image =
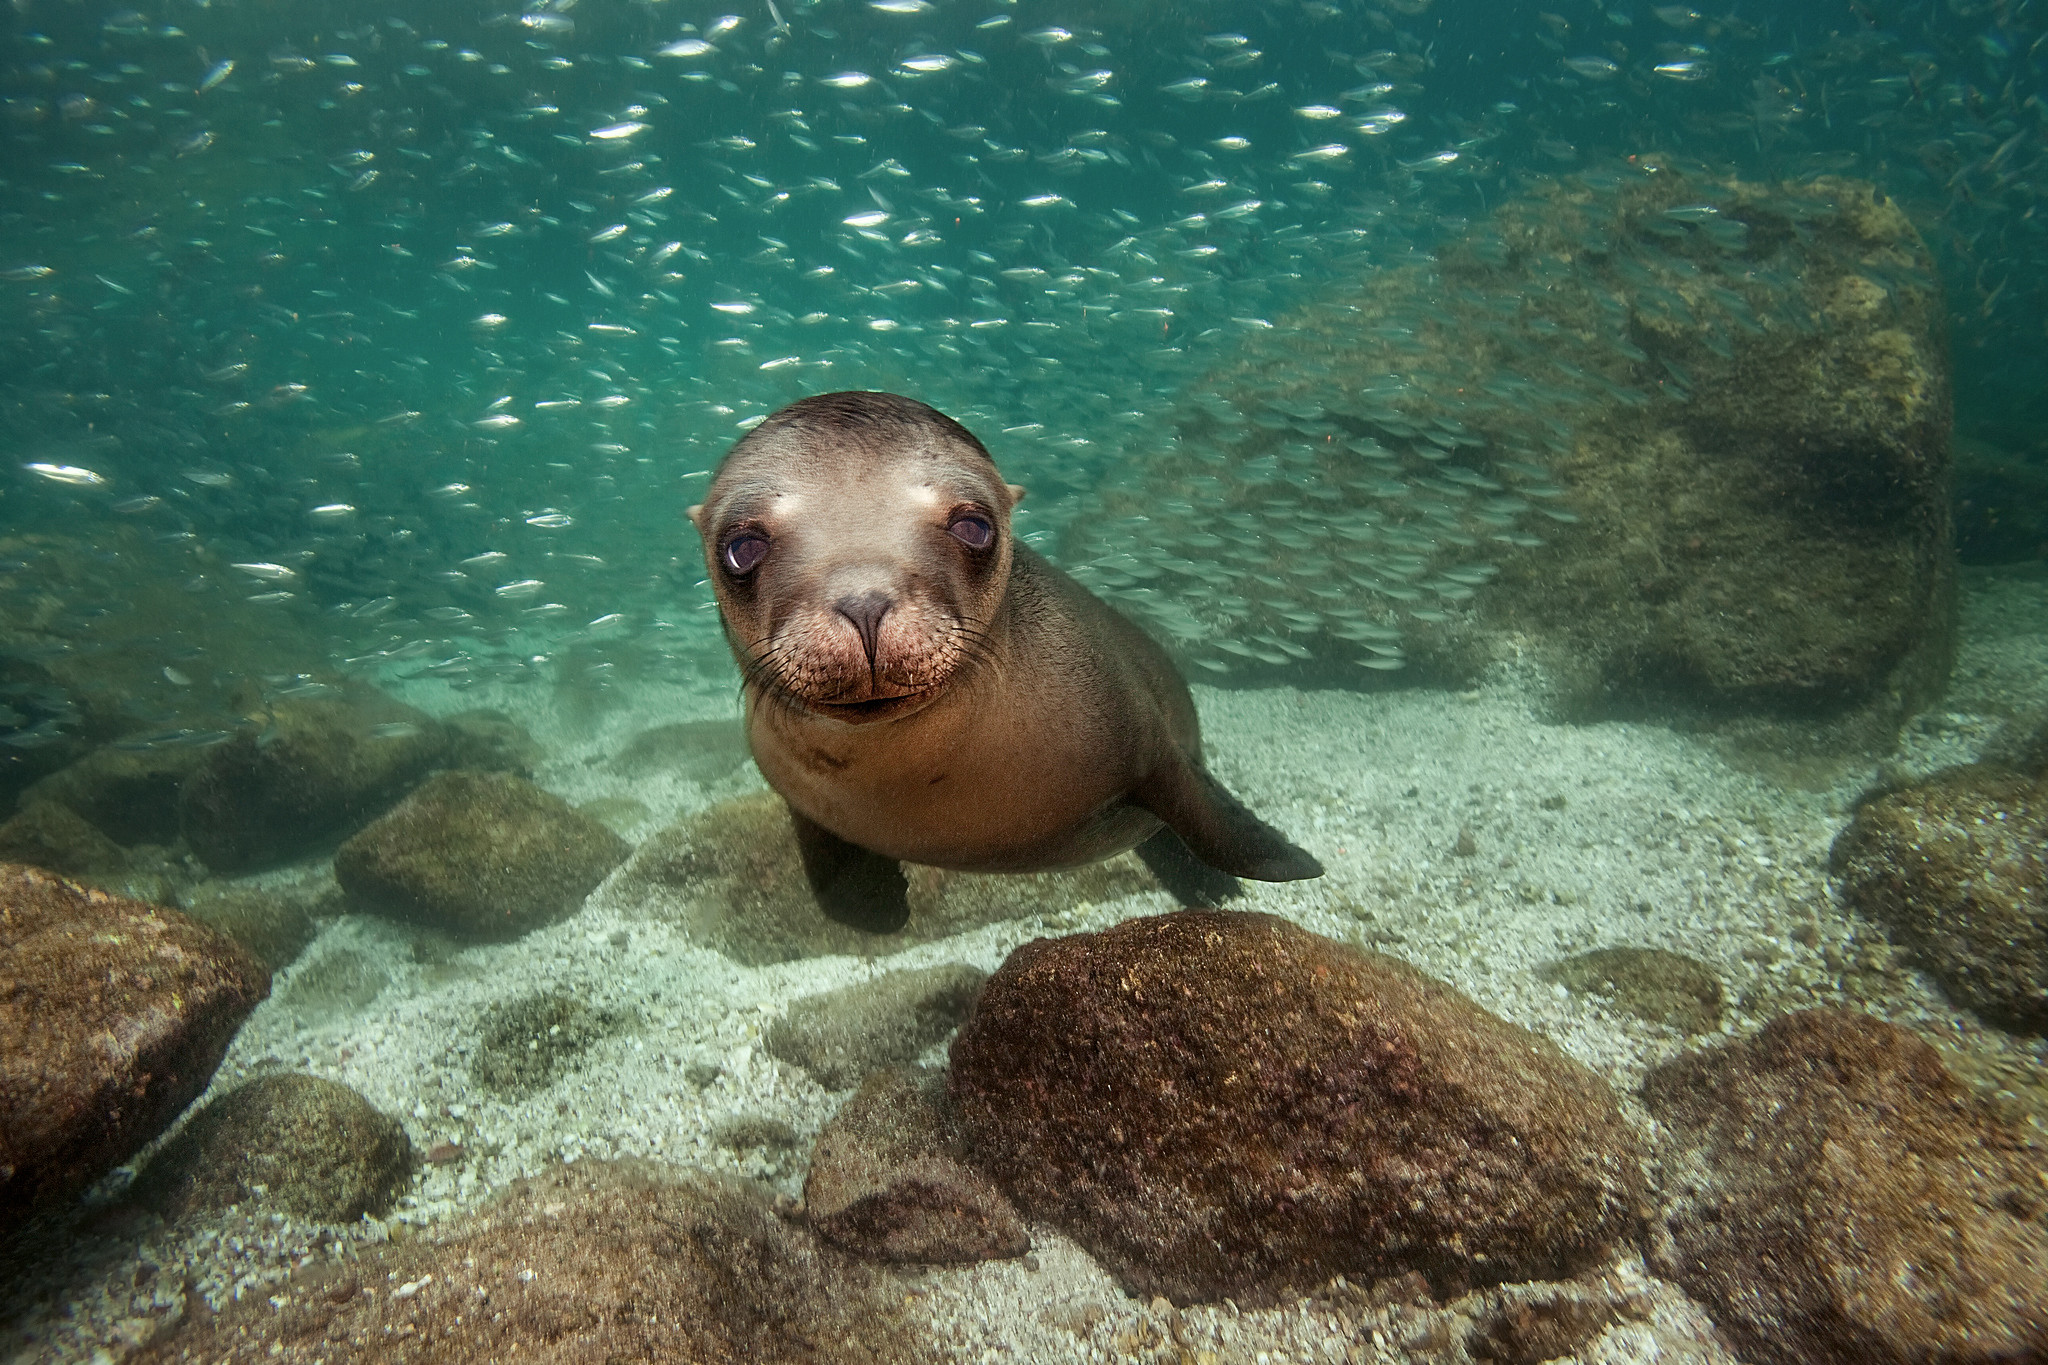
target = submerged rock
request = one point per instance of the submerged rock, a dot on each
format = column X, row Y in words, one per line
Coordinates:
column 480, row 855
column 529, row 1043
column 318, row 767
column 699, row 750
column 1957, row 868
column 1224, row 1104
column 491, row 742
column 731, row 877
column 295, row 1144
column 888, row 1180
column 113, row 1016
column 842, row 1035
column 130, row 795
column 1662, row 987
column 1835, row 1197
column 593, row 1262
column 271, row 923
column 56, row 838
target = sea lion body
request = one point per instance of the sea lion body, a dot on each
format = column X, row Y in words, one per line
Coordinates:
column 922, row 688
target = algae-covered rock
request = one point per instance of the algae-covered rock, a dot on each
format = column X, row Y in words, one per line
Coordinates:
column 595, row 1262
column 889, row 1180
column 297, row 1144
column 1957, row 868
column 1652, row 984
column 56, row 838
column 274, row 925
column 842, row 1035
column 731, row 876
column 315, row 769
column 700, row 750
column 130, row 794
column 481, row 855
column 113, row 1016
column 491, row 742
column 1835, row 1197
column 1224, row 1104
column 529, row 1043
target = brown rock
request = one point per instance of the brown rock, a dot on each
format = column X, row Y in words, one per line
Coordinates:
column 839, row 1036
column 113, row 1016
column 1650, row 983
column 56, row 838
column 887, row 1179
column 481, row 855
column 1837, row 1198
column 581, row 1265
column 131, row 795
column 1957, row 868
column 299, row 1144
column 1224, row 1104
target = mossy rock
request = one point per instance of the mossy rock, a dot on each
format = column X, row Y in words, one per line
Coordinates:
column 731, row 876
column 56, row 838
column 1658, row 986
column 840, row 1036
column 274, row 926
column 700, row 750
column 295, row 1144
column 529, row 1043
column 131, row 795
column 480, row 855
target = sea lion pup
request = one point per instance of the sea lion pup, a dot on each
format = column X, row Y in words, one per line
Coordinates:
column 921, row 687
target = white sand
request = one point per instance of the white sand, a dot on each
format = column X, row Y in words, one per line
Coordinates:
column 1658, row 841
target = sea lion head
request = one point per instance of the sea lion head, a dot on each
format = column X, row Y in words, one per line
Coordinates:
column 859, row 545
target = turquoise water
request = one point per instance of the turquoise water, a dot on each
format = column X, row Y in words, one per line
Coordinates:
column 435, row 321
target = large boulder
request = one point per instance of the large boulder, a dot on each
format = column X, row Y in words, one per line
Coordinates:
column 1682, row 440
column 130, row 793
column 1835, row 1197
column 585, row 1263
column 1956, row 867
column 839, row 1036
column 479, row 855
column 113, row 1016
column 309, row 770
column 296, row 1144
column 1225, row 1104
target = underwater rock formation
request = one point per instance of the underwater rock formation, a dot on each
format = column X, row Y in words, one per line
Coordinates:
column 1224, row 1104
column 480, row 855
column 840, row 1036
column 888, row 1179
column 1957, row 867
column 1652, row 984
column 1835, row 1197
column 113, row 1018
column 599, row 1261
column 700, row 750
column 296, row 1144
column 319, row 767
column 731, row 876
column 57, row 839
column 271, row 922
column 1685, row 439
column 131, row 795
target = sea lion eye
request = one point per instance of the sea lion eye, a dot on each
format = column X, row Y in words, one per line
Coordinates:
column 973, row 531
column 743, row 553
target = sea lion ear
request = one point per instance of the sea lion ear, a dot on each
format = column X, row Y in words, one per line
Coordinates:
column 696, row 516
column 1016, row 492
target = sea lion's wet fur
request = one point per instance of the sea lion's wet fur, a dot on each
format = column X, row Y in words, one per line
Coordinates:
column 995, row 716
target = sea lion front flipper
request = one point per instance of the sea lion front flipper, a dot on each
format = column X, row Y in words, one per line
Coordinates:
column 1189, row 880
column 1218, row 829
column 855, row 886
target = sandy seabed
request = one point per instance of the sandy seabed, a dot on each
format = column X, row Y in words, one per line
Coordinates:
column 1461, row 832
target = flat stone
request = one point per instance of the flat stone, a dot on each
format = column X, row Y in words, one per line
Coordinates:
column 839, row 1036
column 888, row 1182
column 1652, row 984
column 113, row 1016
column 479, row 855
column 1835, row 1197
column 1225, row 1104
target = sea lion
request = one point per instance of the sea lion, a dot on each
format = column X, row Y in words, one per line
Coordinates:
column 921, row 687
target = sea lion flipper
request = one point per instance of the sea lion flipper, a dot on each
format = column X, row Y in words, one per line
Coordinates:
column 1218, row 829
column 1187, row 878
column 855, row 886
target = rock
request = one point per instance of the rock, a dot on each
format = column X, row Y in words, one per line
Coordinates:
column 294, row 1144
column 699, row 750
column 113, row 1016
column 531, row 1042
column 1662, row 987
column 1224, row 1104
column 593, row 1262
column 490, row 742
column 318, row 768
column 842, row 1035
column 888, row 1182
column 131, row 795
column 730, row 876
column 480, row 855
column 335, row 982
column 270, row 923
column 1731, row 504
column 54, row 837
column 1835, row 1197
column 1956, row 867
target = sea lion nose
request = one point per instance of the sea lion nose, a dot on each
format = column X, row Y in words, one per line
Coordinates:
column 865, row 610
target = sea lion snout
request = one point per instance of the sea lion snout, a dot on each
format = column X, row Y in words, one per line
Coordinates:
column 866, row 611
